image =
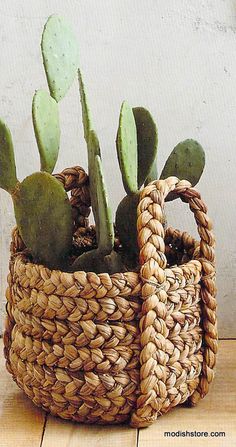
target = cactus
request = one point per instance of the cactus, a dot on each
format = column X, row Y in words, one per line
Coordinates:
column 46, row 127
column 153, row 173
column 126, row 143
column 147, row 140
column 104, row 218
column 186, row 161
column 8, row 179
column 93, row 147
column 60, row 56
column 44, row 218
column 137, row 121
column 104, row 258
column 42, row 209
column 126, row 223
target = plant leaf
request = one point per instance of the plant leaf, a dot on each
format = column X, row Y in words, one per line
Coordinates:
column 126, row 144
column 44, row 218
column 8, row 177
column 147, row 138
column 153, row 174
column 186, row 161
column 105, row 221
column 60, row 55
column 47, row 128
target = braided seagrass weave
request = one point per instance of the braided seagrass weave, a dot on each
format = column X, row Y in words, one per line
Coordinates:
column 128, row 346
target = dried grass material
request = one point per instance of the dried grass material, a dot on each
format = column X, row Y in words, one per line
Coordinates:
column 128, row 346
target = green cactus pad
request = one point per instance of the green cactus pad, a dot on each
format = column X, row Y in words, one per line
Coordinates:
column 126, row 144
column 105, row 223
column 93, row 150
column 47, row 128
column 8, row 178
column 60, row 55
column 126, row 223
column 86, row 115
column 186, row 161
column 44, row 218
column 93, row 261
column 153, row 174
column 87, row 262
column 147, row 138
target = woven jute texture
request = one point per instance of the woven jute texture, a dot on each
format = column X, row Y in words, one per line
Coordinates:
column 101, row 348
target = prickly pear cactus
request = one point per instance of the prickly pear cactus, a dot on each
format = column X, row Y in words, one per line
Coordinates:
column 186, row 161
column 126, row 143
column 153, row 173
column 47, row 128
column 137, row 141
column 104, row 219
column 8, row 179
column 92, row 261
column 126, row 223
column 86, row 115
column 93, row 148
column 147, row 140
column 44, row 218
column 42, row 209
column 104, row 258
column 60, row 55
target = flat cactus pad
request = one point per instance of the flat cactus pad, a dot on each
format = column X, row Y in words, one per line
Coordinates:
column 44, row 218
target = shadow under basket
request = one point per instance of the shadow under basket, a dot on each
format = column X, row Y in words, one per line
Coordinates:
column 100, row 348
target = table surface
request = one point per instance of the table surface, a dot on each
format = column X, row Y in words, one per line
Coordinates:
column 24, row 425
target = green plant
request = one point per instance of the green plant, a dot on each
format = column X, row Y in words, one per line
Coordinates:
column 60, row 55
column 136, row 144
column 137, row 154
column 103, row 258
column 42, row 209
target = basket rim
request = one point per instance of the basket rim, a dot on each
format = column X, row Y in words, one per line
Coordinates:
column 132, row 277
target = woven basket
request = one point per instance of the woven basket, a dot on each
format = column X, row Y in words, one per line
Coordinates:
column 101, row 348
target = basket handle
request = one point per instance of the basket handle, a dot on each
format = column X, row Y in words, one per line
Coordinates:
column 153, row 394
column 76, row 180
column 150, row 221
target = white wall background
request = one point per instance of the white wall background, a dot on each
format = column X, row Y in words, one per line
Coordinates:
column 176, row 57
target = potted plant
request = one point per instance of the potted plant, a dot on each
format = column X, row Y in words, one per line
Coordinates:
column 106, row 323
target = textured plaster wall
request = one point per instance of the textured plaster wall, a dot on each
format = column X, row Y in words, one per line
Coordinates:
column 176, row 57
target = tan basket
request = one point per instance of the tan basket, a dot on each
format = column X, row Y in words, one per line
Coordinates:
column 129, row 346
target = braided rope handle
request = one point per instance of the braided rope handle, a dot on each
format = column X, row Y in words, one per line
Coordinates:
column 76, row 180
column 154, row 331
